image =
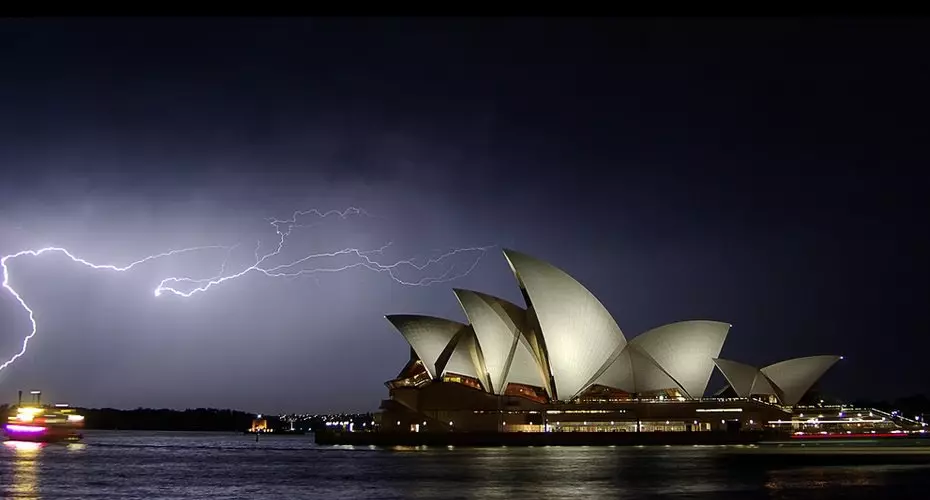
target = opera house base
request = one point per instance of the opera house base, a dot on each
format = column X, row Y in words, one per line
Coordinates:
column 464, row 439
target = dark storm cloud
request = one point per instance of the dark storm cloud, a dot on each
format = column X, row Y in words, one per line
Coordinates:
column 761, row 173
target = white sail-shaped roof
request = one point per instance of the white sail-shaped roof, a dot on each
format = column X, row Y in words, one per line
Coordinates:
column 428, row 336
column 535, row 343
column 648, row 376
column 464, row 359
column 740, row 376
column 580, row 335
column 686, row 351
column 618, row 373
column 635, row 371
column 565, row 341
column 788, row 380
column 795, row 376
column 762, row 385
column 524, row 369
column 498, row 325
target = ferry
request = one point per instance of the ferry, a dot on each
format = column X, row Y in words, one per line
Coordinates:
column 36, row 422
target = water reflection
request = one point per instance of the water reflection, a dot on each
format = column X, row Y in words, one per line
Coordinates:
column 838, row 476
column 171, row 465
column 25, row 482
column 559, row 472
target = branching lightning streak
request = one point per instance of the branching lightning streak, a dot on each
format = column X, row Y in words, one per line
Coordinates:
column 109, row 267
column 283, row 229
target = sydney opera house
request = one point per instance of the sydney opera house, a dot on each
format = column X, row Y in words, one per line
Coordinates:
column 561, row 363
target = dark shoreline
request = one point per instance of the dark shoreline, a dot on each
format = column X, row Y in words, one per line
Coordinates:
column 196, row 420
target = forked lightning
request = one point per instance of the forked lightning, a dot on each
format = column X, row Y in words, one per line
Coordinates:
column 262, row 264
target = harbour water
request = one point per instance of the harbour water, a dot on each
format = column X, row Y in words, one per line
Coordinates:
column 161, row 465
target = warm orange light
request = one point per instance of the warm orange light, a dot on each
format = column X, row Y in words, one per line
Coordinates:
column 28, row 413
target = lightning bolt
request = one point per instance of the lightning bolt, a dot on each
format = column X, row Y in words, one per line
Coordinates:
column 262, row 264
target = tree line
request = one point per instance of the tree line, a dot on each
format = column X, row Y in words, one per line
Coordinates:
column 152, row 419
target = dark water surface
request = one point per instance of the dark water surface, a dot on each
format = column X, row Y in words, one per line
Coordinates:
column 155, row 465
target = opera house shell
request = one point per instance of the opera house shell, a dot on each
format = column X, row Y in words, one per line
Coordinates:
column 563, row 347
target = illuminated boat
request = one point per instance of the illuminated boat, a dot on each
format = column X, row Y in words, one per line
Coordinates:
column 43, row 423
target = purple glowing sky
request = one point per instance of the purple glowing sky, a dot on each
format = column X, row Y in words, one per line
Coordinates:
column 761, row 173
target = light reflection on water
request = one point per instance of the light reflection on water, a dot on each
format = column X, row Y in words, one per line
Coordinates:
column 25, row 483
column 199, row 465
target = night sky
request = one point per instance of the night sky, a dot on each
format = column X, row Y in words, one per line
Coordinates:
column 766, row 173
